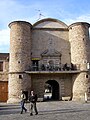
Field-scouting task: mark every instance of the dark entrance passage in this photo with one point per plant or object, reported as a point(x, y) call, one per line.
point(54, 89)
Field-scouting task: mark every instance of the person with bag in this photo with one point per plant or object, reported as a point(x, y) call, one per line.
point(33, 100)
point(23, 98)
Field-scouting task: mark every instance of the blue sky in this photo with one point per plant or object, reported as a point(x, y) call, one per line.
point(68, 11)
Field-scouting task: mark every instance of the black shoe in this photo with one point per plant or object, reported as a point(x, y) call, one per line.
point(25, 110)
point(31, 114)
point(21, 112)
point(36, 113)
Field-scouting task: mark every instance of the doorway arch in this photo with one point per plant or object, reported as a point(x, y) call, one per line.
point(54, 88)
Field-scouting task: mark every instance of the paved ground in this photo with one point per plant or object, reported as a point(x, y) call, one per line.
point(56, 110)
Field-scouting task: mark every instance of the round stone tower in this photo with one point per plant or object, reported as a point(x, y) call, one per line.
point(20, 59)
point(79, 40)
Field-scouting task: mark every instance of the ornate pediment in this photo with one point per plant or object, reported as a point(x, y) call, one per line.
point(51, 53)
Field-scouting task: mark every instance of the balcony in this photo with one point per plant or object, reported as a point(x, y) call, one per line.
point(47, 69)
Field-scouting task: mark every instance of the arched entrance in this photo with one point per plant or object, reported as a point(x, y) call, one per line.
point(53, 87)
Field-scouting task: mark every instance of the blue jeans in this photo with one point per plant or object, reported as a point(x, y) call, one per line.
point(22, 106)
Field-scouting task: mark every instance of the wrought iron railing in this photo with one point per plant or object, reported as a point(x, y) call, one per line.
point(62, 67)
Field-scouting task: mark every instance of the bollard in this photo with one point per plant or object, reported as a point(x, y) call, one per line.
point(85, 97)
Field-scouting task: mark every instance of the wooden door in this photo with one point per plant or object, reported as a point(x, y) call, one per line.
point(3, 91)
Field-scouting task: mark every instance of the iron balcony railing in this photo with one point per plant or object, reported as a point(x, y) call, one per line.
point(64, 67)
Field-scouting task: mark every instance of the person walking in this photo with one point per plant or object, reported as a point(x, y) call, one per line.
point(23, 98)
point(33, 100)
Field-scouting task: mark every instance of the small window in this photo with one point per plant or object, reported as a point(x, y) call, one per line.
point(86, 76)
point(20, 76)
point(1, 65)
point(89, 90)
point(19, 61)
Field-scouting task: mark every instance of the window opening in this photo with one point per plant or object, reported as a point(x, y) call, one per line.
point(35, 65)
point(1, 65)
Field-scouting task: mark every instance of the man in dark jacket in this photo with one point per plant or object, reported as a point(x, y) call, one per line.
point(33, 100)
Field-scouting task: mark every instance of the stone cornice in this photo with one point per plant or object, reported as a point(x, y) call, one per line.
point(19, 22)
point(79, 23)
point(51, 29)
point(16, 72)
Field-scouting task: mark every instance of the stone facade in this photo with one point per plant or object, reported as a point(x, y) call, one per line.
point(80, 54)
point(49, 52)
point(20, 59)
point(4, 66)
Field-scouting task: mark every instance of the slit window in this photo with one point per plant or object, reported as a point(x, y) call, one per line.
point(20, 76)
point(86, 76)
point(1, 65)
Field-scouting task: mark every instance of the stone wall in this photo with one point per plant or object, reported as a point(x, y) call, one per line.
point(4, 74)
point(79, 40)
point(59, 39)
point(64, 81)
point(28, 42)
point(20, 59)
point(80, 86)
point(20, 46)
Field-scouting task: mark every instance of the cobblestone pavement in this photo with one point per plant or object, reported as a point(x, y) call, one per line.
point(55, 110)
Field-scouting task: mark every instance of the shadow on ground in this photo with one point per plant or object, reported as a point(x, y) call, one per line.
point(15, 109)
point(9, 109)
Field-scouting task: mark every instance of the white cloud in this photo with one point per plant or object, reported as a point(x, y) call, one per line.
point(4, 37)
point(82, 18)
point(4, 40)
point(13, 10)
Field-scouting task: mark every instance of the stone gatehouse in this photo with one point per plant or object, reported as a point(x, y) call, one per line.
point(49, 55)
